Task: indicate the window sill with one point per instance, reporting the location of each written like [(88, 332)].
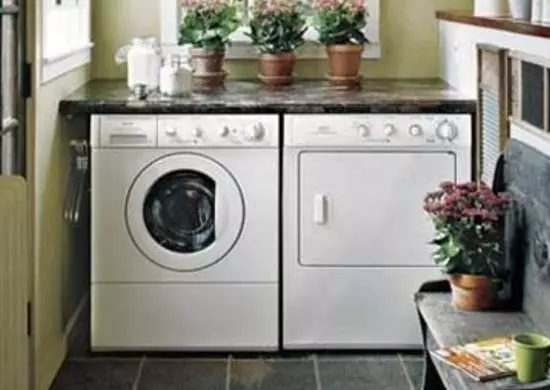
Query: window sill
[(311, 50), (54, 66)]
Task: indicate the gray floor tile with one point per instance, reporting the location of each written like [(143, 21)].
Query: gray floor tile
[(274, 374), (379, 374), (415, 369), (163, 374), (97, 375), (347, 355)]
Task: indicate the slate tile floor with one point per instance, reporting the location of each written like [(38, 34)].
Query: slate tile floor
[(307, 372)]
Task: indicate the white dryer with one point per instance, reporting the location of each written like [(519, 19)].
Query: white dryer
[(185, 232), (356, 238)]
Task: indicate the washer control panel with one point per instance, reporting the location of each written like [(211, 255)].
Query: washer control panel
[(185, 131), (378, 129)]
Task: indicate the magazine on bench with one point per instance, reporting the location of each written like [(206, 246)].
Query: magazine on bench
[(481, 360)]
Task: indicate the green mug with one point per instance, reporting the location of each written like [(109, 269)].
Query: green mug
[(531, 351)]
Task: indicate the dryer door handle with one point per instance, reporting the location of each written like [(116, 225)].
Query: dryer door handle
[(320, 206)]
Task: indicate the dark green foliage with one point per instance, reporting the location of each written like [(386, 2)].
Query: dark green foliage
[(276, 33), (209, 29), (338, 26)]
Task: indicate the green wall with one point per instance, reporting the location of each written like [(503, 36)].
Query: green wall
[(408, 38)]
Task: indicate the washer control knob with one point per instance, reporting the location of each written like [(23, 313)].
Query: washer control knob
[(255, 132), (363, 129), (196, 132), (224, 131), (171, 131), (446, 130), (389, 130), (415, 130)]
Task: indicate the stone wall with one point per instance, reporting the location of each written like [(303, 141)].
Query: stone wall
[(527, 178)]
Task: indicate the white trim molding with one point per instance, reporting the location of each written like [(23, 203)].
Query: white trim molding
[(55, 66), (241, 48), (530, 135)]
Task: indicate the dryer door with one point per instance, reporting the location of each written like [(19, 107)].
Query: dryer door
[(365, 209), (185, 212)]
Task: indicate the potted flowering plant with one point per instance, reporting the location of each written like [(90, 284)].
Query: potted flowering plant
[(468, 219), (340, 24), (277, 29), (206, 26)]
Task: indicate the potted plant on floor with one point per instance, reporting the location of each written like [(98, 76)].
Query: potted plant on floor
[(340, 24), (277, 29), (207, 26), (468, 220)]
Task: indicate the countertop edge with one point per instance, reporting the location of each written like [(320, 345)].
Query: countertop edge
[(541, 30), (448, 106), (240, 96)]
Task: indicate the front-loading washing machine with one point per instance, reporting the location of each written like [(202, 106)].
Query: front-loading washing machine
[(184, 232)]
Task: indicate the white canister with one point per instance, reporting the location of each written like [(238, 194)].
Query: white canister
[(143, 61), (545, 13), (490, 8), (536, 11), (520, 9), (175, 77)]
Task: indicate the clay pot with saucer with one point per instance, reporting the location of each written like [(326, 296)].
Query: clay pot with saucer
[(344, 62), (208, 81), (277, 69), (208, 72)]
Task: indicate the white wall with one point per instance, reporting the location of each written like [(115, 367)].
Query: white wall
[(47, 158), (458, 53)]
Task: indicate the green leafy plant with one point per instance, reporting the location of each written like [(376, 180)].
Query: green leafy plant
[(277, 26), (208, 24), (340, 21), (468, 219)]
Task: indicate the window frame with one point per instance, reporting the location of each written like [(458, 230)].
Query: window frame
[(79, 53), (241, 47)]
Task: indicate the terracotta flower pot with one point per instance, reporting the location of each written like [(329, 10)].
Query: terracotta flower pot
[(473, 292), (204, 62), (277, 69), (344, 62), (208, 73), (208, 82)]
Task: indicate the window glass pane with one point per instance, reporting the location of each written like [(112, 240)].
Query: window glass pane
[(179, 211), (532, 94)]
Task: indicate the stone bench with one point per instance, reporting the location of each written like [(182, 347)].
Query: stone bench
[(444, 326), (527, 180)]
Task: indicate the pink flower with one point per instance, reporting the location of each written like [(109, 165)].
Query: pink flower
[(206, 5), (353, 6), (276, 6)]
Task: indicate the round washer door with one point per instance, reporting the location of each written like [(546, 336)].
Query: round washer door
[(185, 212)]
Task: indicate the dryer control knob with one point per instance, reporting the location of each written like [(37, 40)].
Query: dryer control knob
[(446, 130), (415, 130), (224, 131), (196, 132), (255, 132), (389, 130), (363, 129)]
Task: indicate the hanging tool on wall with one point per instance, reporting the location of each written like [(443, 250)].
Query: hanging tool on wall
[(77, 184)]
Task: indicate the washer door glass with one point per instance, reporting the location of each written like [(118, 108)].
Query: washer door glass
[(185, 212), (179, 211)]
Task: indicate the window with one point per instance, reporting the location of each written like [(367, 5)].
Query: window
[(65, 34), (529, 91), (241, 48)]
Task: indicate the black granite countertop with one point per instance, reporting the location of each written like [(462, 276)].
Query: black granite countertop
[(374, 96)]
